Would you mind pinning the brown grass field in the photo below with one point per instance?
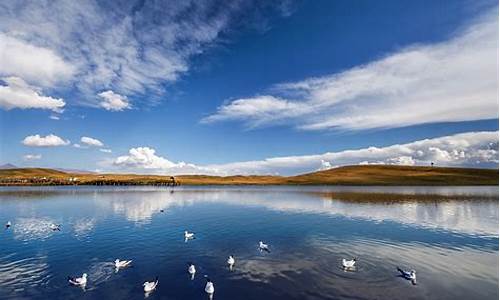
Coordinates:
(348, 175)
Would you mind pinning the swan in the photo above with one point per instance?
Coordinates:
(188, 235)
(150, 286)
(55, 227)
(409, 275)
(78, 281)
(348, 263)
(230, 261)
(191, 270)
(263, 247)
(122, 263)
(209, 287)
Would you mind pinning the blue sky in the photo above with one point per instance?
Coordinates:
(252, 87)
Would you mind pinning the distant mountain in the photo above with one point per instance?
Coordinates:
(7, 166)
(71, 171)
(74, 171)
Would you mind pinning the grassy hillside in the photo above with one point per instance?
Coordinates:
(398, 175)
(348, 175)
(231, 180)
(30, 172)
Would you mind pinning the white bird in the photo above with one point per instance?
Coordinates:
(8, 224)
(347, 264)
(78, 281)
(191, 270)
(55, 227)
(409, 275)
(150, 286)
(122, 263)
(230, 261)
(188, 235)
(209, 288)
(263, 247)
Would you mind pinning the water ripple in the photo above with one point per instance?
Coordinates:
(23, 274)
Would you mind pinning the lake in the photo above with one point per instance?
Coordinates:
(449, 235)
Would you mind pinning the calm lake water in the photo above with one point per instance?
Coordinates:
(448, 235)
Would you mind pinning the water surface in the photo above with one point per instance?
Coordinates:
(449, 235)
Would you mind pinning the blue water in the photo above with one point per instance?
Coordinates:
(450, 239)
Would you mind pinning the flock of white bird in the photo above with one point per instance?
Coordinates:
(150, 286)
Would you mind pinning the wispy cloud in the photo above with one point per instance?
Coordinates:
(91, 141)
(16, 93)
(30, 157)
(455, 80)
(466, 149)
(50, 140)
(128, 48)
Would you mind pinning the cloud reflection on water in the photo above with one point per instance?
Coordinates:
(33, 228)
(460, 214)
(83, 226)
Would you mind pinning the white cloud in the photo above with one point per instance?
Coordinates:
(114, 102)
(32, 63)
(18, 94)
(90, 142)
(478, 149)
(50, 140)
(325, 165)
(54, 117)
(127, 47)
(145, 159)
(258, 111)
(29, 157)
(106, 150)
(455, 80)
(77, 146)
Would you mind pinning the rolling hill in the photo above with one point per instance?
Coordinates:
(348, 175)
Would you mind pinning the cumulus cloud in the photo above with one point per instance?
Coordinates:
(90, 142)
(106, 150)
(112, 101)
(16, 93)
(469, 149)
(454, 80)
(128, 47)
(145, 158)
(29, 157)
(50, 140)
(54, 117)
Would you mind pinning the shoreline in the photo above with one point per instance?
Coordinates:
(371, 175)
